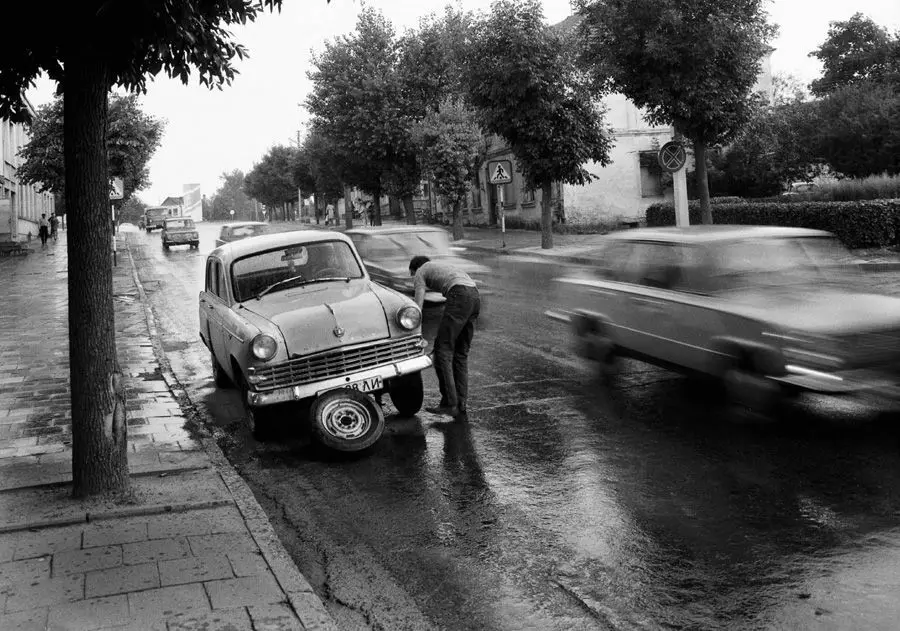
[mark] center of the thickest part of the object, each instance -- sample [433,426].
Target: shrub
[862,224]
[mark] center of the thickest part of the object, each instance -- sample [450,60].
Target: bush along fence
[860,224]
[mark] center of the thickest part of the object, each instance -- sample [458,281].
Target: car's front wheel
[346,420]
[407,393]
[750,396]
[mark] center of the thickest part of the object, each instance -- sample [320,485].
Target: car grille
[335,363]
[871,348]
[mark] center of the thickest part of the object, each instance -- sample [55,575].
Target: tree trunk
[316,206]
[702,182]
[410,209]
[99,438]
[546,218]
[348,212]
[377,219]
[457,223]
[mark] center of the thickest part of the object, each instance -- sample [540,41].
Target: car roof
[394,230]
[238,224]
[243,247]
[709,234]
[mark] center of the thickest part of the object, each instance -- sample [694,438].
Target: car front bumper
[864,389]
[181,239]
[296,393]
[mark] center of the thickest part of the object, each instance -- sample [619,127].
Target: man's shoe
[443,410]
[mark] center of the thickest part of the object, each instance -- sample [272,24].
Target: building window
[651,175]
[476,190]
[527,195]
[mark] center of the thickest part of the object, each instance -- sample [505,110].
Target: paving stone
[27,571]
[221,620]
[119,580]
[248,563]
[250,590]
[87,615]
[195,570]
[168,601]
[47,541]
[31,620]
[115,532]
[72,561]
[231,541]
[275,617]
[155,550]
[51,591]
[196,522]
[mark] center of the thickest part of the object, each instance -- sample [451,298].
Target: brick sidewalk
[192,550]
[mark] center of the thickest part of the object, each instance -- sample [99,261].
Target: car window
[224,233]
[222,286]
[247,231]
[211,276]
[653,264]
[306,262]
[611,261]
[179,223]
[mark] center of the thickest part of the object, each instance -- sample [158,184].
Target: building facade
[21,205]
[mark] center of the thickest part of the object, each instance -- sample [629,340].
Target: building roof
[172,201]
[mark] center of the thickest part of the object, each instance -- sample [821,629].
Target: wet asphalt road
[563,505]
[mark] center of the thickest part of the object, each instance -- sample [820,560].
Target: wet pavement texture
[563,504]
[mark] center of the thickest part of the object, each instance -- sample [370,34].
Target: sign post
[500,173]
[672,158]
[116,191]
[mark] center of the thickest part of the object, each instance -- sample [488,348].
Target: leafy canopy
[231,196]
[272,181]
[132,136]
[688,63]
[523,83]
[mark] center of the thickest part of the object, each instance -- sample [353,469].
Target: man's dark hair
[417,262]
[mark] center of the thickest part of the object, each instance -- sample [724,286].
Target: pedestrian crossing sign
[116,188]
[500,172]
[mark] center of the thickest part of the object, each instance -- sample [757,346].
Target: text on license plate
[366,385]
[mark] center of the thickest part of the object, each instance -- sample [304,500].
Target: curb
[308,607]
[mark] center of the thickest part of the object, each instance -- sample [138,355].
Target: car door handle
[210,306]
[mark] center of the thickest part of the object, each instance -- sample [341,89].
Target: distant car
[231,232]
[769,311]
[155,217]
[179,231]
[293,317]
[387,252]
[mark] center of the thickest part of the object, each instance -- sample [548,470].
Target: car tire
[750,397]
[597,346]
[346,420]
[407,394]
[220,377]
[260,420]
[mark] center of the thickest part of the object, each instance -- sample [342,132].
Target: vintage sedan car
[179,231]
[293,317]
[768,311]
[387,252]
[231,232]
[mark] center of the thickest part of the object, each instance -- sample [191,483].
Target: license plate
[366,385]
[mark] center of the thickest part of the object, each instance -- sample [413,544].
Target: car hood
[818,309]
[310,316]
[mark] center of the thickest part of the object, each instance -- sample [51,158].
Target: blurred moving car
[387,252]
[769,311]
[179,231]
[293,317]
[240,230]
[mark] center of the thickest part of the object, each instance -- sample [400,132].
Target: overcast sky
[209,132]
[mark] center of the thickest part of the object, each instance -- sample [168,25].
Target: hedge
[860,224]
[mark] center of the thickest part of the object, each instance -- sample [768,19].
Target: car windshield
[299,264]
[179,223]
[408,244]
[779,261]
[247,231]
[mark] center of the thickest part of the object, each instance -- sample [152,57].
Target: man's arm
[420,288]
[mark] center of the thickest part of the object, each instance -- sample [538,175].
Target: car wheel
[598,347]
[259,419]
[346,420]
[750,397]
[220,377]
[407,393]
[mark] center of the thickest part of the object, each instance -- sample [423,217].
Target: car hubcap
[346,419]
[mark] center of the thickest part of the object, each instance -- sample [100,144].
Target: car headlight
[409,317]
[263,347]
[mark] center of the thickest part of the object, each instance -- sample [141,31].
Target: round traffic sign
[672,156]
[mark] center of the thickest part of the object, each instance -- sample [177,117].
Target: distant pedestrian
[329,214]
[44,229]
[455,332]
[370,214]
[54,227]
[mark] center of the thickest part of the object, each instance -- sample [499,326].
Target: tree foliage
[273,180]
[132,137]
[452,148]
[523,83]
[231,196]
[688,63]
[857,51]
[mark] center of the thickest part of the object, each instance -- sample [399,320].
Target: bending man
[455,332]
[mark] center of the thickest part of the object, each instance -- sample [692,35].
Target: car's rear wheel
[595,344]
[407,393]
[259,420]
[346,420]
[220,377]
